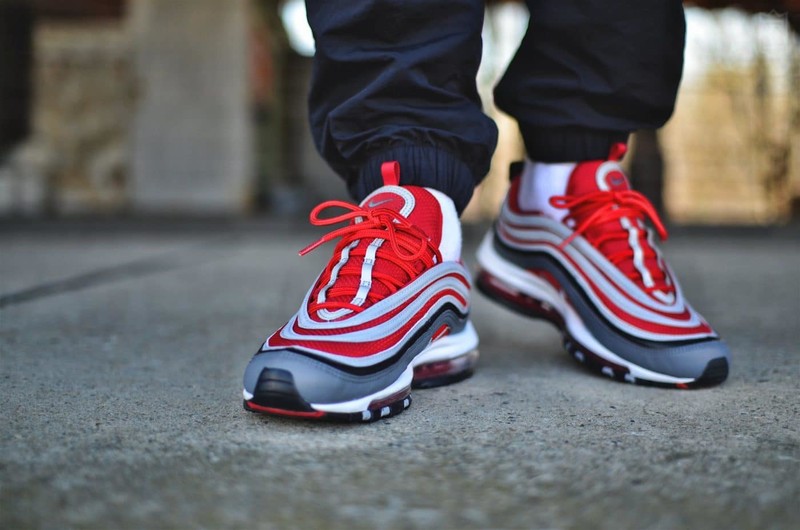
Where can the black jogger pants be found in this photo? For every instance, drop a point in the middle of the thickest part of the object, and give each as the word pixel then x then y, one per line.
pixel 395 80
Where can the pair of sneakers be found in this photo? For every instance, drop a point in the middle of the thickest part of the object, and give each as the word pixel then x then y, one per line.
pixel 390 311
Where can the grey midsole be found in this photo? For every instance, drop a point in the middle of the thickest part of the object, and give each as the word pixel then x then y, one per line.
pixel 321 383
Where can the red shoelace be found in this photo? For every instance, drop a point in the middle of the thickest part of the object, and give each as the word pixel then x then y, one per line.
pixel 596 209
pixel 409 250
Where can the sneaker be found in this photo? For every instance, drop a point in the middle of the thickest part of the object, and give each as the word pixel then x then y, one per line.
pixel 597 275
pixel 388 312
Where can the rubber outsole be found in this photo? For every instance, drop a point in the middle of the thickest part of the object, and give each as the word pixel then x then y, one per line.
pixel 715 372
pixel 276 393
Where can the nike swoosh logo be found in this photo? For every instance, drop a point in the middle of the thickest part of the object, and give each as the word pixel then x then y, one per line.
pixel 373 204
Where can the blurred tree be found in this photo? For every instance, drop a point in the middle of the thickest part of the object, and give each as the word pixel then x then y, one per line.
pixel 791 8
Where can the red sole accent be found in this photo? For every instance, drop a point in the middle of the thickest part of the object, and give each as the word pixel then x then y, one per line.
pixel 282 412
pixel 441 332
pixel 519 301
pixel 446 372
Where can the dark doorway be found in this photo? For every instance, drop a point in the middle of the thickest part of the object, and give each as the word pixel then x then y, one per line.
pixel 16 58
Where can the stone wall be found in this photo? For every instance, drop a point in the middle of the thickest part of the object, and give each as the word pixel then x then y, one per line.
pixel 75 160
pixel 146 114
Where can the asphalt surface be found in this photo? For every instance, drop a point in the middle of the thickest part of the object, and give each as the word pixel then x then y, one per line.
pixel 122 349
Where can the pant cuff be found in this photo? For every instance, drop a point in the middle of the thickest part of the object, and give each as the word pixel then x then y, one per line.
pixel 569 144
pixel 419 166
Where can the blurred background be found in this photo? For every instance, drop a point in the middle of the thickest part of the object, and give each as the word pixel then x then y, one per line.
pixel 155 172
pixel 187 108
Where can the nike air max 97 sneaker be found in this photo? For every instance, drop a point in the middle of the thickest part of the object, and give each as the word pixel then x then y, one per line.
pixel 389 311
pixel 595 272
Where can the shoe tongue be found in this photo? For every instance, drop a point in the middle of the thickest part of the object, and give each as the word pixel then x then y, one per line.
pixel 597 175
pixel 390 198
pixel 414 203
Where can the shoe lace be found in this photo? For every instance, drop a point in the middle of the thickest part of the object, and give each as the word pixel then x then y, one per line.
pixel 592 210
pixel 409 249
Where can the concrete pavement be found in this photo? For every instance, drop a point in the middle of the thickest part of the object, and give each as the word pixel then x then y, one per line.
pixel 121 353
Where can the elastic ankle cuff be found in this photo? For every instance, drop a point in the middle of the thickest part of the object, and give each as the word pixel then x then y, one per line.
pixel 568 144
pixel 419 166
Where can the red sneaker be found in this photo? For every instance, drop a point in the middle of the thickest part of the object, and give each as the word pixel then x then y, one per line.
pixel 389 310
pixel 599 277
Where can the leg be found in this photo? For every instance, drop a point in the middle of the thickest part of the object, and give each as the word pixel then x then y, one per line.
pixel 395 80
pixel 571 243
pixel 588 73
